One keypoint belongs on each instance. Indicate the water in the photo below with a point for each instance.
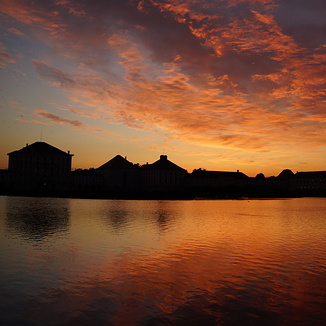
(116, 262)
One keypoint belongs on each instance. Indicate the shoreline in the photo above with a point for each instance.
(186, 195)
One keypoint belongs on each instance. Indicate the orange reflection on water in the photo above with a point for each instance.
(178, 261)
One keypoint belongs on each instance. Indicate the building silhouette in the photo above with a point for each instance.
(38, 166)
(163, 175)
(43, 170)
(118, 174)
(40, 158)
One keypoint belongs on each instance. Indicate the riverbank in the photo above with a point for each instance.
(169, 195)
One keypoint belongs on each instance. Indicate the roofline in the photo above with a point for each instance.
(55, 148)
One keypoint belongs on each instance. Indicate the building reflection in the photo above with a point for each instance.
(165, 214)
(116, 215)
(119, 215)
(36, 219)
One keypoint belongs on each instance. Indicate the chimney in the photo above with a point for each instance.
(163, 157)
(26, 145)
(68, 152)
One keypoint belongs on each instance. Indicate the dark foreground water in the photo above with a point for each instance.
(116, 262)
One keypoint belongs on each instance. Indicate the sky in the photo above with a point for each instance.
(217, 84)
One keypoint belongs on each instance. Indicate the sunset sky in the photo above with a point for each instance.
(218, 84)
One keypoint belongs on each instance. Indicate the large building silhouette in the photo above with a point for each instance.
(163, 175)
(37, 167)
(40, 158)
(42, 169)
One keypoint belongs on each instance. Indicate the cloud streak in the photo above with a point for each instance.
(57, 119)
(49, 118)
(5, 57)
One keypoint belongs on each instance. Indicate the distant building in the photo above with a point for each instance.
(286, 173)
(119, 174)
(84, 181)
(302, 183)
(40, 158)
(202, 179)
(310, 181)
(163, 175)
(39, 166)
(42, 169)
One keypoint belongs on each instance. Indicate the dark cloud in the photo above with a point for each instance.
(6, 58)
(57, 119)
(191, 31)
(53, 74)
(304, 21)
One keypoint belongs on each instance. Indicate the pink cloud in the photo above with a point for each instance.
(16, 32)
(5, 57)
(32, 121)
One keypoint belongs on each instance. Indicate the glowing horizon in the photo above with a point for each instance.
(221, 85)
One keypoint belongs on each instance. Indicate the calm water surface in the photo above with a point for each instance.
(117, 262)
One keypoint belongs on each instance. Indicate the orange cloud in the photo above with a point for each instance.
(5, 57)
(225, 75)
(16, 32)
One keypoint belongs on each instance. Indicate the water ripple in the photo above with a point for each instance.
(92, 262)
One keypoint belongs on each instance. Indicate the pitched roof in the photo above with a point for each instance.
(40, 148)
(163, 164)
(118, 162)
(286, 174)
